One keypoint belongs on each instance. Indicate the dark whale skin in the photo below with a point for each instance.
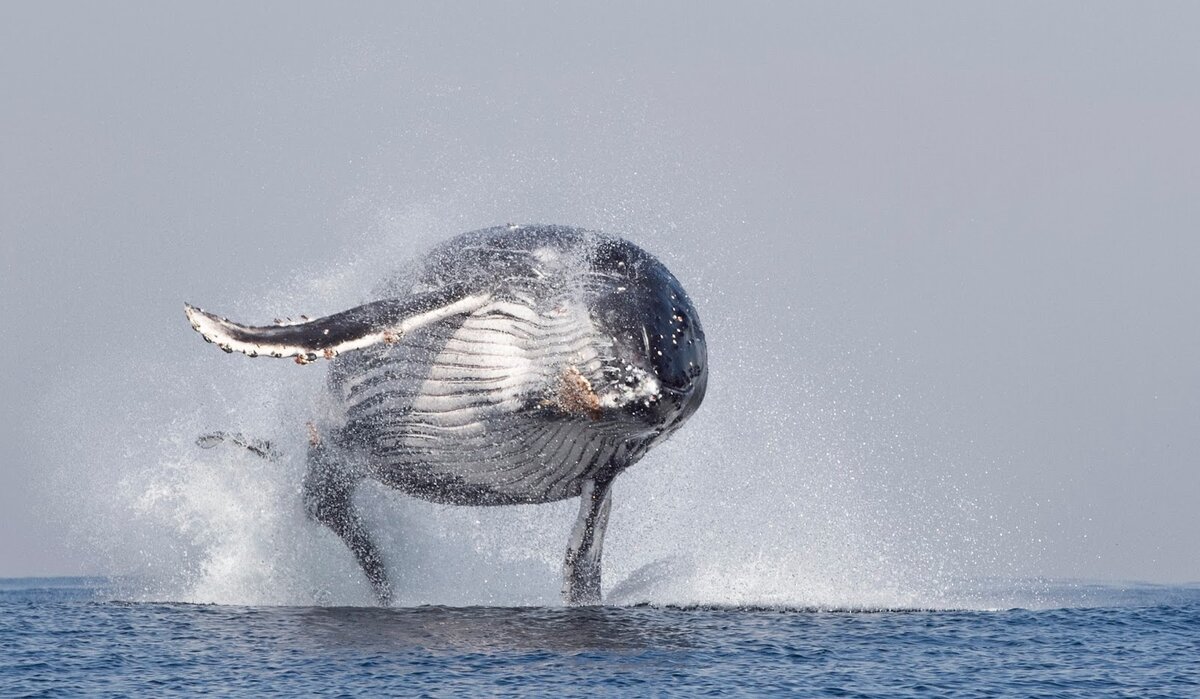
(567, 302)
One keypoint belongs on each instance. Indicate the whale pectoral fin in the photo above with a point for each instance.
(581, 569)
(362, 326)
(261, 448)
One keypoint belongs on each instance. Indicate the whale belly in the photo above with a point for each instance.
(462, 411)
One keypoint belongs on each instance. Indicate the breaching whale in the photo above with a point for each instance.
(519, 364)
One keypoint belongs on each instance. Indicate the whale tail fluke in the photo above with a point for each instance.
(372, 323)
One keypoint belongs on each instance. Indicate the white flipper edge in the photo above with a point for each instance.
(359, 327)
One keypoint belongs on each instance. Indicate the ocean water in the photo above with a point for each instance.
(71, 637)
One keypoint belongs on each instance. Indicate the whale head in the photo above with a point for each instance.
(660, 372)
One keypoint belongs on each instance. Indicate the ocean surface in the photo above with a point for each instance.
(69, 637)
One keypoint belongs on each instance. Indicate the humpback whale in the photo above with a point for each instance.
(517, 365)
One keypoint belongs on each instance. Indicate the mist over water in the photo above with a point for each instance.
(793, 486)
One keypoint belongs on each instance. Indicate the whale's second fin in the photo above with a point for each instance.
(261, 448)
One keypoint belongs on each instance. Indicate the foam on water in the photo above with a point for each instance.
(793, 486)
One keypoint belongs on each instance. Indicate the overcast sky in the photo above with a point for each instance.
(989, 212)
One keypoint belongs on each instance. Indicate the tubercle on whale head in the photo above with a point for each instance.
(629, 393)
(574, 394)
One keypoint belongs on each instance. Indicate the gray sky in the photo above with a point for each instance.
(987, 212)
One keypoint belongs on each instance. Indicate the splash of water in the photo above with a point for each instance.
(791, 487)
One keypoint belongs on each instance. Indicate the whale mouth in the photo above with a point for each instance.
(682, 392)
